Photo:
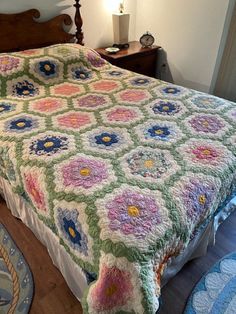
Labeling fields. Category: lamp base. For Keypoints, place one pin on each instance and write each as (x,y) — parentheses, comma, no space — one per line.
(121,46)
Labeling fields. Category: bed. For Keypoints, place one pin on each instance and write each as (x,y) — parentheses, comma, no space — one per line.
(124,178)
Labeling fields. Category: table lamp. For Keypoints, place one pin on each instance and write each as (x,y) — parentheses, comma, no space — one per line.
(121,28)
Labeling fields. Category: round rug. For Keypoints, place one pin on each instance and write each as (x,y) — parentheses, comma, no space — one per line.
(215,293)
(16,282)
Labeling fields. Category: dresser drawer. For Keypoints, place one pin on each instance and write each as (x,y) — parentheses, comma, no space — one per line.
(145,65)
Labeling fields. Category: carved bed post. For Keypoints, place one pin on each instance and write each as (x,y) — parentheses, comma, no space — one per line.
(79,23)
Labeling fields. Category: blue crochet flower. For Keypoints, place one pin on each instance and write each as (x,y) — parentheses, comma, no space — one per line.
(47,68)
(171,90)
(71,229)
(106,139)
(21,124)
(164,107)
(140,81)
(159,132)
(49,145)
(81,73)
(25,89)
(6,107)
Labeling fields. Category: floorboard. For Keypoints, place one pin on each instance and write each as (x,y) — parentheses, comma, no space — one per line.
(52,295)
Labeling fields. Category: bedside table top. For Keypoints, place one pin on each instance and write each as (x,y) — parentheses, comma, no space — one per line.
(134,48)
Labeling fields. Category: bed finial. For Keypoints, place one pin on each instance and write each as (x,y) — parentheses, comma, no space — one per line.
(79,23)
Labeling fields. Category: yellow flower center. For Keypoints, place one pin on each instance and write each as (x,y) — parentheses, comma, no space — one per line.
(85,172)
(48,144)
(111,290)
(171,90)
(106,139)
(206,152)
(47,67)
(149,163)
(5,62)
(72,232)
(166,108)
(202,199)
(133,211)
(205,123)
(159,132)
(21,124)
(26,92)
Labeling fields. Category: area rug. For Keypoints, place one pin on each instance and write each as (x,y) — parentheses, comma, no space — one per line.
(216,291)
(16,281)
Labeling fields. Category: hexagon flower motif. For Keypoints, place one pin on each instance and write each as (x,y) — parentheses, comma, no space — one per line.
(74,120)
(105,86)
(118,287)
(24,88)
(140,81)
(149,165)
(79,72)
(28,54)
(48,105)
(67,90)
(64,52)
(133,96)
(9,108)
(122,115)
(159,132)
(206,153)
(83,174)
(136,217)
(196,196)
(92,102)
(48,146)
(232,114)
(166,108)
(206,124)
(106,140)
(172,91)
(206,102)
(10,65)
(48,70)
(21,125)
(34,181)
(95,60)
(71,223)
(115,73)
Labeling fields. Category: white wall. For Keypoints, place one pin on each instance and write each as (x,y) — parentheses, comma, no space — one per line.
(97,15)
(190,32)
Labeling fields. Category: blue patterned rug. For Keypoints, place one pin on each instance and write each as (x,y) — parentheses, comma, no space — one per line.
(16,282)
(216,291)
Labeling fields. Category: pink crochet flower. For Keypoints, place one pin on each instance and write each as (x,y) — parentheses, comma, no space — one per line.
(34,191)
(122,115)
(113,290)
(8,63)
(47,105)
(84,172)
(133,95)
(106,86)
(74,120)
(133,213)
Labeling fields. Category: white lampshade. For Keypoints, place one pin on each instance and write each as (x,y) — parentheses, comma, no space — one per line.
(121,28)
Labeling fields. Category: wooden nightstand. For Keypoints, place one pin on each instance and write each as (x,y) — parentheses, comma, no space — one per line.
(135,58)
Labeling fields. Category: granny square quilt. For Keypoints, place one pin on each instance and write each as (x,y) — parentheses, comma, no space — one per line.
(122,168)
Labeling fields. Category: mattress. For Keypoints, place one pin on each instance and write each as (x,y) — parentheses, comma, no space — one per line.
(122,172)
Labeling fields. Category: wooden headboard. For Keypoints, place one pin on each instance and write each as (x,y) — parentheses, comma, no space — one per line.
(22,30)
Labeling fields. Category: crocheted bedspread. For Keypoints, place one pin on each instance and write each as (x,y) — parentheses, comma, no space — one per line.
(123,168)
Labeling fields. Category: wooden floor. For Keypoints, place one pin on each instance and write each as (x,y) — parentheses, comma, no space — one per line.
(52,296)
